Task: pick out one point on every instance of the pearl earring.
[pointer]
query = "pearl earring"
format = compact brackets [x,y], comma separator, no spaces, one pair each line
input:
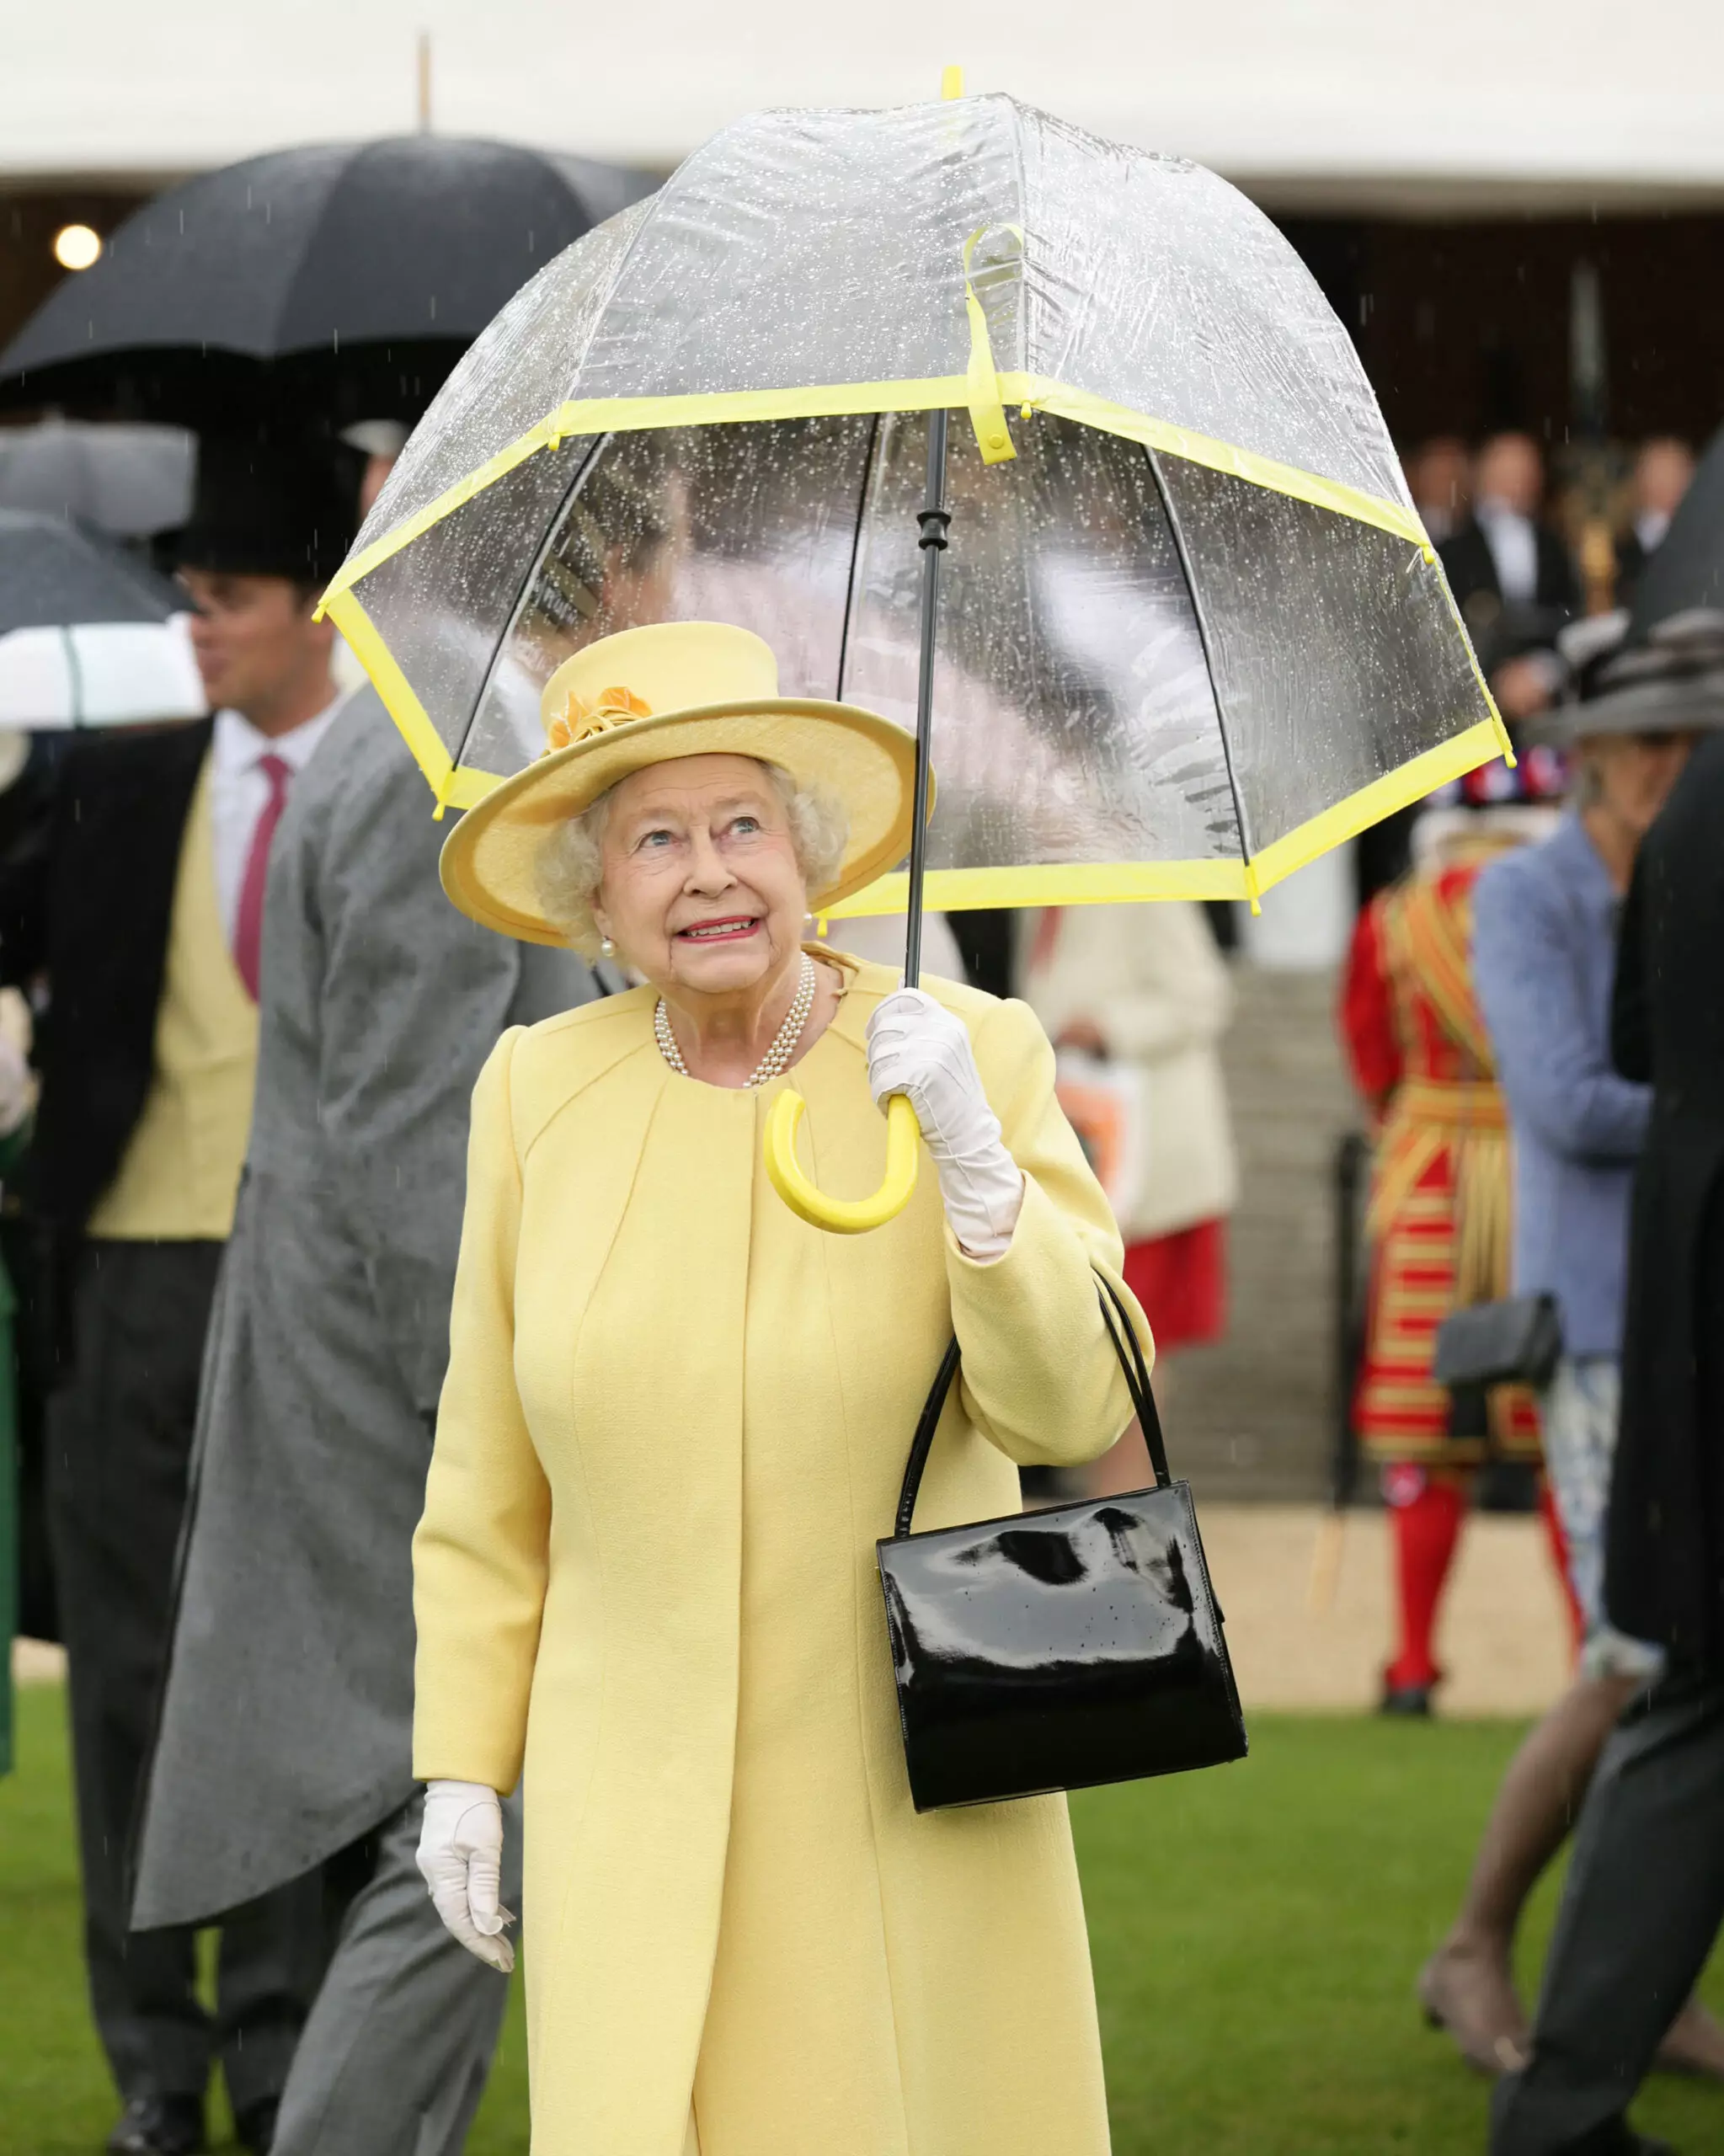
[607,949]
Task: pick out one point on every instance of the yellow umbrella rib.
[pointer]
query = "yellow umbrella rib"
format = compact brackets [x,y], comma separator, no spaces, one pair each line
[633,414]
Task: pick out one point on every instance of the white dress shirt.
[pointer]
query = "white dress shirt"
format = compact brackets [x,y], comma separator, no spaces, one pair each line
[1514,549]
[1650,527]
[239,792]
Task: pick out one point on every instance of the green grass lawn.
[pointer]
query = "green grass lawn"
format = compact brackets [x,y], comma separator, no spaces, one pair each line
[1257,1931]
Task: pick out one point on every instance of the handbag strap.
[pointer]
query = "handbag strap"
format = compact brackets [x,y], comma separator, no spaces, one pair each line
[1132,1365]
[1142,1399]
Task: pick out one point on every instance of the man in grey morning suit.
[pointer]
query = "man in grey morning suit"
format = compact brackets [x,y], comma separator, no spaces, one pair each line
[284,1742]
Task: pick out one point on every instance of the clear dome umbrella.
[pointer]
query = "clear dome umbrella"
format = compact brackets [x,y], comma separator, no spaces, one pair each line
[1188,633]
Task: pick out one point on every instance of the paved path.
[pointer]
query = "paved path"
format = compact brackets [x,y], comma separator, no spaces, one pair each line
[1503,1637]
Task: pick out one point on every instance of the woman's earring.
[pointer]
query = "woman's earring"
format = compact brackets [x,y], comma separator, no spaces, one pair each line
[607,949]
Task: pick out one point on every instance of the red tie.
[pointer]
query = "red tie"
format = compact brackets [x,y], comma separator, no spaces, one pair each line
[249,925]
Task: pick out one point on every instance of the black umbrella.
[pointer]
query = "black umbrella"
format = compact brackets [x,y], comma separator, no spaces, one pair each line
[87,636]
[1686,571]
[344,277]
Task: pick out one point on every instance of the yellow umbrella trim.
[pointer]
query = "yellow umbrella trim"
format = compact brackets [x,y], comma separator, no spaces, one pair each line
[599,415]
[1110,883]
[1048,883]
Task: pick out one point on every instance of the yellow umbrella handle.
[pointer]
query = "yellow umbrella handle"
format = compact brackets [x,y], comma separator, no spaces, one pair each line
[842,1216]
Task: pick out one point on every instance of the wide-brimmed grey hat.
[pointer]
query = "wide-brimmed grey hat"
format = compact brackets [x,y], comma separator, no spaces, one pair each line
[1673,683]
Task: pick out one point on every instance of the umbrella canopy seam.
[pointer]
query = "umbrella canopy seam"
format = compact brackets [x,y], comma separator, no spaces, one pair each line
[1200,621]
[604,415]
[304,249]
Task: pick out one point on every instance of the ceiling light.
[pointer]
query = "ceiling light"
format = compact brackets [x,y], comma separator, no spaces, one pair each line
[76,247]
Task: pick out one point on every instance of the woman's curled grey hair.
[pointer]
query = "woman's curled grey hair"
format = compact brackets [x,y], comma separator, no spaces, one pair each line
[571,856]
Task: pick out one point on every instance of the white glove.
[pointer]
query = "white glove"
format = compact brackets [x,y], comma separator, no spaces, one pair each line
[460,1861]
[918,1048]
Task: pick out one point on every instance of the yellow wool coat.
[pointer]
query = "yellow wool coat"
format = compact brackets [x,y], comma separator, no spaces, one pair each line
[675,1422]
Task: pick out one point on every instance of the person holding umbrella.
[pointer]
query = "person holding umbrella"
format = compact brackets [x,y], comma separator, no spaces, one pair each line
[143,908]
[675,1420]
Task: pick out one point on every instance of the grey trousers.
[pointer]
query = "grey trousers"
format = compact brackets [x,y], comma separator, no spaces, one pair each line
[394,2058]
[118,1445]
[1641,1906]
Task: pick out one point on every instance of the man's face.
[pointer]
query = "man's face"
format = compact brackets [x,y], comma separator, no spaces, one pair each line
[1511,473]
[1662,472]
[253,636]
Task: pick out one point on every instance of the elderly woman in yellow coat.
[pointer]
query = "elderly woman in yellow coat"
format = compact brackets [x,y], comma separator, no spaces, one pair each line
[675,1423]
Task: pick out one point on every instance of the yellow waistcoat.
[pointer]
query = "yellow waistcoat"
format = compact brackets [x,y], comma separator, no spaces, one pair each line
[675,1420]
[180,1178]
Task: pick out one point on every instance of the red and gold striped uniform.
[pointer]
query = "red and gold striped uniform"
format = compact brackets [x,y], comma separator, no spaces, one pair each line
[1439,1222]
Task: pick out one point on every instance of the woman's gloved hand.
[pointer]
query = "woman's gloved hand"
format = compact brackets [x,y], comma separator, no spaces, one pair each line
[918,1048]
[460,1861]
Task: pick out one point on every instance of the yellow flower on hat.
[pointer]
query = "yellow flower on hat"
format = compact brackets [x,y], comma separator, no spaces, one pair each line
[583,717]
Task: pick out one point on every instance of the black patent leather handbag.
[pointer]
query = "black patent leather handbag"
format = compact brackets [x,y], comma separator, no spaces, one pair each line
[1058,1649]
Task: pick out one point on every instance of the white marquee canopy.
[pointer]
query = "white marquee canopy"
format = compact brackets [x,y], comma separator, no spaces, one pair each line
[1491,104]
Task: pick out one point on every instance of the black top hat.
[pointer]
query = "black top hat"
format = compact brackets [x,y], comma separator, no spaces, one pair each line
[270,509]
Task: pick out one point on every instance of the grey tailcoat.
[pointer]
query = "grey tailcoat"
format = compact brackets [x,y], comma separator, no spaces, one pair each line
[286,1724]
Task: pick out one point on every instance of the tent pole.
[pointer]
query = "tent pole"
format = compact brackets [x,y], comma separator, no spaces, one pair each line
[934,518]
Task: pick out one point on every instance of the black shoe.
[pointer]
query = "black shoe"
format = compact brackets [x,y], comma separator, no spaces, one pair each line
[1406,1700]
[160,2126]
[254,2127]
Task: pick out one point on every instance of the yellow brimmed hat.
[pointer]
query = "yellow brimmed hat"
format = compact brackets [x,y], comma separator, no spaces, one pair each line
[646,697]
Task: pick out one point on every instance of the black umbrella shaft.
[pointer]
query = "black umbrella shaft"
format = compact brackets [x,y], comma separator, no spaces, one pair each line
[934,518]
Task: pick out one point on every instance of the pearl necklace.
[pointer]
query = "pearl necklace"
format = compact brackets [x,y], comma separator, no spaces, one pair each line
[772,1064]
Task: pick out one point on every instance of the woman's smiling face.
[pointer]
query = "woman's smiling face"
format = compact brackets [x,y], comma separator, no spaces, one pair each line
[700,888]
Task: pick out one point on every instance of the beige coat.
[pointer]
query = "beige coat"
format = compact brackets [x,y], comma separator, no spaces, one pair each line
[676,1421]
[1152,982]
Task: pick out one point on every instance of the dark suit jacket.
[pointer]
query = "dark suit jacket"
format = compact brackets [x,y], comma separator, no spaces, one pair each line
[1472,570]
[1664,1573]
[90,904]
